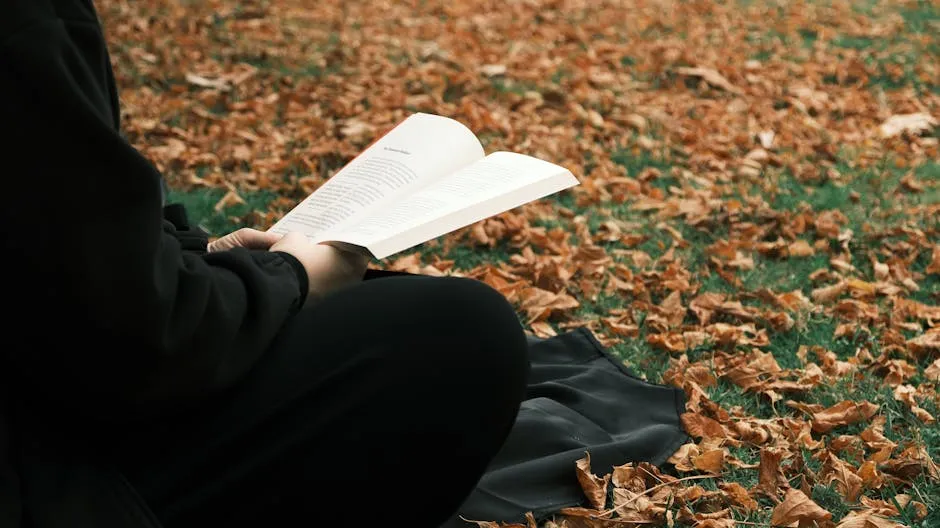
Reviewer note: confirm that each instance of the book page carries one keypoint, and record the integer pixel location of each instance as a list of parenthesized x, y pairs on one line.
[(495, 184), (419, 150)]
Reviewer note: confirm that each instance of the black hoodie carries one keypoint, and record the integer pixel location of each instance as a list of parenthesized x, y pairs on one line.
[(111, 313)]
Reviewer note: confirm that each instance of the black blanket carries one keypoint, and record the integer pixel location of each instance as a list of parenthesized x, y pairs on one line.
[(581, 399)]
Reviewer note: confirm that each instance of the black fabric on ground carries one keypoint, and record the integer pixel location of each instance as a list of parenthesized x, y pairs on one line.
[(580, 399)]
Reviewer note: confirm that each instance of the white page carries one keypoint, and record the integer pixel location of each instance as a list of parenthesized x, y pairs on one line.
[(495, 184), (419, 150)]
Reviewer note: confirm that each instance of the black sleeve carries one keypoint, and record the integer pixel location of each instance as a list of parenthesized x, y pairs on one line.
[(176, 222), (109, 314)]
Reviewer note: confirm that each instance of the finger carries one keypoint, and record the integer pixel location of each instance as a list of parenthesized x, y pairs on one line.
[(220, 244), (253, 239)]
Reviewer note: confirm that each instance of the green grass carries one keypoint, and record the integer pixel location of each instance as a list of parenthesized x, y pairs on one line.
[(200, 205)]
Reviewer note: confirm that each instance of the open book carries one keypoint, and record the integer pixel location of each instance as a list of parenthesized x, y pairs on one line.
[(425, 178)]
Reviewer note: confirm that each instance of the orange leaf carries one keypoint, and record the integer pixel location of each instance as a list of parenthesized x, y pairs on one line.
[(739, 496), (710, 461), (542, 329), (681, 459), (710, 76), (915, 123), (929, 341), (231, 198), (595, 489), (905, 394), (827, 294), (866, 520), (848, 483), (843, 413), (800, 248), (934, 266), (702, 426), (797, 507), (932, 373), (770, 477)]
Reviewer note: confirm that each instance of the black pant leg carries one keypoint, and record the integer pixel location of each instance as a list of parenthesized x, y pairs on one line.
[(388, 398)]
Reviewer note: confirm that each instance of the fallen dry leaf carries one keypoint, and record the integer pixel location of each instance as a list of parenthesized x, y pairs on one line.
[(846, 479), (738, 496), (710, 76), (710, 461), (595, 488), (905, 394), (828, 294), (932, 372), (866, 520), (934, 266), (916, 123), (801, 248), (702, 426), (926, 343), (843, 413), (797, 507), (204, 82), (771, 480)]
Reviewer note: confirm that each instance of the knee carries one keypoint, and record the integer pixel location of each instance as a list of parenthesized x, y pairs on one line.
[(482, 319), (473, 337)]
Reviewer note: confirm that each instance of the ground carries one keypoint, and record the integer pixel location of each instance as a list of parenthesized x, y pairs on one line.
[(758, 219)]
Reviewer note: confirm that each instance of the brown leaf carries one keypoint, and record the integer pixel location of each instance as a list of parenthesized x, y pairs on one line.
[(932, 373), (231, 198), (904, 501), (681, 459), (827, 294), (595, 489), (356, 129), (866, 520), (710, 76), (905, 394), (848, 483), (843, 413), (910, 463), (738, 496), (542, 329), (771, 479), (205, 82), (934, 266), (699, 426), (871, 477), (874, 437), (633, 506), (800, 248), (493, 70), (630, 476), (725, 522), (670, 342), (928, 342), (797, 507), (710, 461), (916, 123)]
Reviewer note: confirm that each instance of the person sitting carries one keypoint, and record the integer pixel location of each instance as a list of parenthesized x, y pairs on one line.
[(149, 378)]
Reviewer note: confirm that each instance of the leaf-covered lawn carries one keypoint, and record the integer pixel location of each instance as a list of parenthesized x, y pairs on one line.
[(758, 220)]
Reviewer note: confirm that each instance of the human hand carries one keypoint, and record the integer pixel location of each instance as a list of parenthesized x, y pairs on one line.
[(328, 268), (244, 238)]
